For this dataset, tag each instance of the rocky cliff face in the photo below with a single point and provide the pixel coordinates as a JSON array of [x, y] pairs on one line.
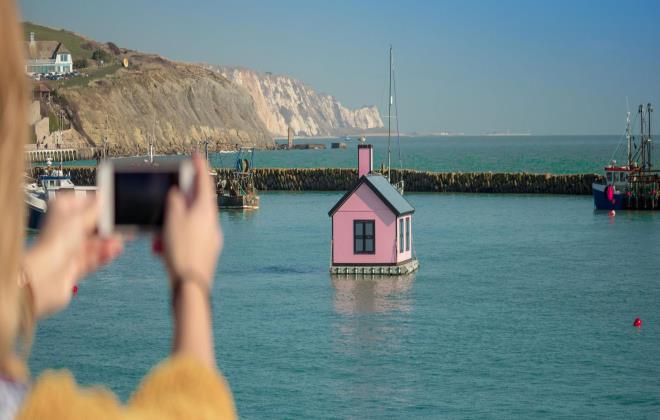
[[175, 104], [282, 102]]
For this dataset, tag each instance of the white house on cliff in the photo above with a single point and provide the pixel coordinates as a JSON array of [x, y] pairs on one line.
[[47, 57]]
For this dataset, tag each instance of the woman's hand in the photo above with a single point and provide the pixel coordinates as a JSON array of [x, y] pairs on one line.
[[192, 242], [192, 239], [67, 250]]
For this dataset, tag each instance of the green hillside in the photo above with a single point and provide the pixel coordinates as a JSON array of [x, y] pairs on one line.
[[72, 41]]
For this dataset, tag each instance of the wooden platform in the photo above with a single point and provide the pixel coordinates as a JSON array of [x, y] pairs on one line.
[[366, 270]]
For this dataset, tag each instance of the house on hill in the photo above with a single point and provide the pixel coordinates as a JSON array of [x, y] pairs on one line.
[[372, 225], [47, 57]]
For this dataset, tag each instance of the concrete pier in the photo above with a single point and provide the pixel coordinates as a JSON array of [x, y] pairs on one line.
[[59, 155]]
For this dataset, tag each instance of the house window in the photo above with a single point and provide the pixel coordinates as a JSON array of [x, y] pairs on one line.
[[364, 235], [407, 233], [64, 57], [400, 235]]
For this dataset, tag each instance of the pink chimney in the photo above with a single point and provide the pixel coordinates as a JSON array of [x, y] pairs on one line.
[[365, 159]]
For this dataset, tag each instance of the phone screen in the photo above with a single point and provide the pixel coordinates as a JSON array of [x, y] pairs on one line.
[[140, 197]]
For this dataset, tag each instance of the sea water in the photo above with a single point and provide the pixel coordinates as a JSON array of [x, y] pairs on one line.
[[537, 154], [522, 307]]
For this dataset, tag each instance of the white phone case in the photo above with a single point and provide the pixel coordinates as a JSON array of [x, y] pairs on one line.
[[105, 175]]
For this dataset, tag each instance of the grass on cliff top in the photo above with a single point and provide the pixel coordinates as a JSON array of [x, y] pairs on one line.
[[94, 74], [72, 41]]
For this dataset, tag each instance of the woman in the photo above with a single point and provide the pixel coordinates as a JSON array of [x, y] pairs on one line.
[[38, 282]]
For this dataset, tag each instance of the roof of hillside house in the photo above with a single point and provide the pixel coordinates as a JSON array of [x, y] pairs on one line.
[[43, 50], [384, 190]]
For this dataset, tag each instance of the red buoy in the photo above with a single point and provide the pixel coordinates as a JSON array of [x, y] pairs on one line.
[[612, 213], [609, 192], [75, 290], [637, 323], [157, 246]]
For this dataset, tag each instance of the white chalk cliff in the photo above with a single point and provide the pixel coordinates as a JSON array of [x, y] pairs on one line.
[[282, 102]]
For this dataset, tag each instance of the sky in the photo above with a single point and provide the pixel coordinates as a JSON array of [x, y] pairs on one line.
[[544, 67]]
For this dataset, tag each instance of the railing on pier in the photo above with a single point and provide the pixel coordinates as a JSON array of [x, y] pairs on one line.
[[59, 155]]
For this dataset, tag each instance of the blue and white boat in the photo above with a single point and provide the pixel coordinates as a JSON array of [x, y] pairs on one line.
[[45, 188], [612, 194]]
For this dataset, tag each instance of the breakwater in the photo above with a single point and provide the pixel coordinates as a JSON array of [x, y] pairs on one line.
[[333, 179]]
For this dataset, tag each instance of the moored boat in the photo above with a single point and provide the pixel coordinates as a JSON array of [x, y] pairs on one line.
[[237, 190], [635, 185], [612, 194], [45, 188]]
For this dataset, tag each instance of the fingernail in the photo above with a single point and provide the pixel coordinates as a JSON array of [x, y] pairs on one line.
[[157, 247]]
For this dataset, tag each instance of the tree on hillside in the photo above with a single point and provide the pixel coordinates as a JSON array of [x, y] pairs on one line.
[[101, 55], [80, 63]]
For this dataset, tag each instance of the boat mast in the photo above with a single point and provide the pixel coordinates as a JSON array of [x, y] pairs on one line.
[[640, 111], [389, 123], [629, 138], [649, 109]]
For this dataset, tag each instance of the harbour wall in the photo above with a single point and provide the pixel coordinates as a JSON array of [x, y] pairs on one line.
[[331, 179]]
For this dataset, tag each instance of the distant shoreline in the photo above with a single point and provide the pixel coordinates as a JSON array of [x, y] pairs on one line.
[[413, 135]]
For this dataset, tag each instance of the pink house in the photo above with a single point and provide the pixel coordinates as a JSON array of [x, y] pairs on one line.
[[372, 225]]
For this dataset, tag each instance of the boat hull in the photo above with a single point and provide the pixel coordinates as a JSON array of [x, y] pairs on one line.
[[239, 202], [35, 217], [600, 198]]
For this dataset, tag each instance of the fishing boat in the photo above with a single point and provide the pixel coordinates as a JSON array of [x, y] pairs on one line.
[[236, 190], [39, 191], [634, 185]]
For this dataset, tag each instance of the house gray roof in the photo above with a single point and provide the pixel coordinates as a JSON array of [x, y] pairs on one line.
[[42, 50], [384, 190]]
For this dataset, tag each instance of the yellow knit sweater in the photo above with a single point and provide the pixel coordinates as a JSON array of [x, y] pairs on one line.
[[179, 388]]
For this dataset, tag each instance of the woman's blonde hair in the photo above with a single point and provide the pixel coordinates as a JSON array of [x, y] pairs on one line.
[[13, 134]]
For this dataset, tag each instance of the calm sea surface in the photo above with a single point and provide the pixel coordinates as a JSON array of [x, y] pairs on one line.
[[539, 154], [522, 308]]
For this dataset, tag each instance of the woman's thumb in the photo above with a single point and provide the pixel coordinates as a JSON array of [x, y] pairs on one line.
[[176, 204], [90, 209]]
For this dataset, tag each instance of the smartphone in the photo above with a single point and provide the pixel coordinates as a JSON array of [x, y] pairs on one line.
[[133, 196]]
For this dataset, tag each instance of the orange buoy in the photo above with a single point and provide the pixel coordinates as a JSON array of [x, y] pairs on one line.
[[75, 290], [637, 323]]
